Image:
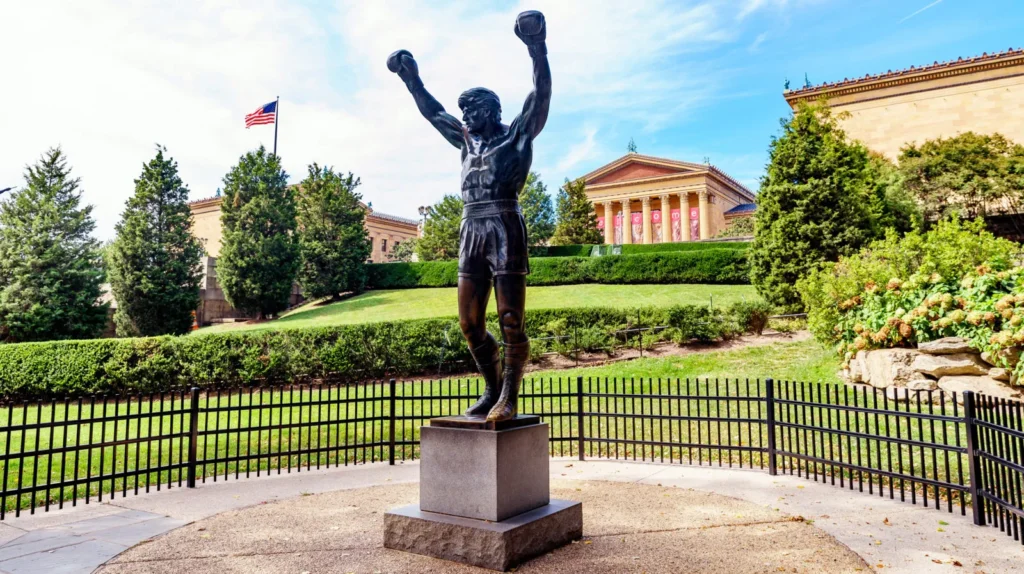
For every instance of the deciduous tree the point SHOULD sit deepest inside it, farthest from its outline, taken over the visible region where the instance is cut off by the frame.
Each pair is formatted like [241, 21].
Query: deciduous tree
[970, 175]
[537, 210]
[440, 238]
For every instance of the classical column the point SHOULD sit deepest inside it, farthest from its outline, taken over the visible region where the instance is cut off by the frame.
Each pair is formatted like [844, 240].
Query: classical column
[609, 223]
[648, 232]
[627, 223]
[666, 219]
[705, 217]
[684, 215]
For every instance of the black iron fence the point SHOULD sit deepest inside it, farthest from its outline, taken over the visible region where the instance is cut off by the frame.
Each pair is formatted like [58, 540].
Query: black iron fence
[942, 450]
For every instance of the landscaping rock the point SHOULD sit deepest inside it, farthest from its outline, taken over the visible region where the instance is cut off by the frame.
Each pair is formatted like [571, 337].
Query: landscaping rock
[949, 365]
[999, 374]
[922, 384]
[945, 346]
[957, 384]
[855, 372]
[889, 367]
[1011, 356]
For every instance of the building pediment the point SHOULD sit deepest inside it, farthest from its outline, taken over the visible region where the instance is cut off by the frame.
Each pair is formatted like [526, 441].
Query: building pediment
[634, 166]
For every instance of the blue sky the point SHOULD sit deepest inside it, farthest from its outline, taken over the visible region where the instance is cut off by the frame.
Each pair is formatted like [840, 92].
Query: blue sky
[686, 79]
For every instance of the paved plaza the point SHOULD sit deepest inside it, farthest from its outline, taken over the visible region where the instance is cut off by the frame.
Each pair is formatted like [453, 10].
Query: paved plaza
[637, 518]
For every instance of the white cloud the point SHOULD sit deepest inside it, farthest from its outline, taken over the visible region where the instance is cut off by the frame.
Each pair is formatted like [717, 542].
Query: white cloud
[579, 152]
[108, 79]
[756, 44]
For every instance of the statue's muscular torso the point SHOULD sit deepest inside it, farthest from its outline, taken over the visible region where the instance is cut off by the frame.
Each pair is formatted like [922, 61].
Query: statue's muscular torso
[496, 169]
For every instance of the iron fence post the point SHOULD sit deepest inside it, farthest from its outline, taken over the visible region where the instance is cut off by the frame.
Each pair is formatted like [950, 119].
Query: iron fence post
[769, 396]
[974, 461]
[640, 330]
[391, 417]
[579, 415]
[193, 436]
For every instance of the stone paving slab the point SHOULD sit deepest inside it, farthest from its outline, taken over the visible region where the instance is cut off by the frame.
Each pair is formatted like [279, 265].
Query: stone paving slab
[341, 532]
[82, 545]
[910, 542]
[79, 558]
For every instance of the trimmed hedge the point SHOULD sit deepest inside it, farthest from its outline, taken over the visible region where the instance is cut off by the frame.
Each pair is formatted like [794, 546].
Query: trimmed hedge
[587, 250]
[61, 369]
[707, 266]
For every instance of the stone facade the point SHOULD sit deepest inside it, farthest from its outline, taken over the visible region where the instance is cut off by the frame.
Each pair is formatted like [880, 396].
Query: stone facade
[386, 232]
[887, 111]
[645, 199]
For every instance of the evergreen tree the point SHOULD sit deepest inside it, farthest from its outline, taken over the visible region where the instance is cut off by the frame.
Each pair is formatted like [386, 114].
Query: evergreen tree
[155, 265]
[577, 222]
[333, 241]
[50, 266]
[814, 204]
[537, 210]
[259, 254]
[440, 238]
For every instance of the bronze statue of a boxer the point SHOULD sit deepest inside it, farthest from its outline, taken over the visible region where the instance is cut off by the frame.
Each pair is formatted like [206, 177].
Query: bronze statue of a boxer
[492, 243]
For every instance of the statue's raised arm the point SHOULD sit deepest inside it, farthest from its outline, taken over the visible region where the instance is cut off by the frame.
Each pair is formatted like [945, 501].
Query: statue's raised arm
[532, 30]
[403, 64]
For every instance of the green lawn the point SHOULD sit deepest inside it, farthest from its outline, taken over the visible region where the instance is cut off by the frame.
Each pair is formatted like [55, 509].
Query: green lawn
[396, 304]
[349, 424]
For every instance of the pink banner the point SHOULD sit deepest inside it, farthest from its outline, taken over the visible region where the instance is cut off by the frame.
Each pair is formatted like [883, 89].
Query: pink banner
[694, 223]
[656, 216]
[637, 218]
[600, 222]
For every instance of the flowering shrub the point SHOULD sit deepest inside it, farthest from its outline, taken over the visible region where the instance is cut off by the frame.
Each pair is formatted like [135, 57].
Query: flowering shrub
[986, 307]
[945, 254]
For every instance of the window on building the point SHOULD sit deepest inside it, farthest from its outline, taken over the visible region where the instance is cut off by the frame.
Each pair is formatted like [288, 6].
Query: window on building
[384, 245]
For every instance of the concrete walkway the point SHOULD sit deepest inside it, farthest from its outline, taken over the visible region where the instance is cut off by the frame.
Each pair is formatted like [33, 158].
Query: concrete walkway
[888, 535]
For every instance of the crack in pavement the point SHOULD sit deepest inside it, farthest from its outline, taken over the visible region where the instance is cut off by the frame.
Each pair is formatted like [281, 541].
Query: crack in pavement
[237, 554]
[710, 526]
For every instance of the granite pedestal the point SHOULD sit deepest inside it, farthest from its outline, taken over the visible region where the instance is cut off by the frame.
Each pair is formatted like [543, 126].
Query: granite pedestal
[484, 495]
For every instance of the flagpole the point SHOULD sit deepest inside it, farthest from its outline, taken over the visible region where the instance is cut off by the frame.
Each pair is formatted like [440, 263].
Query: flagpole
[277, 112]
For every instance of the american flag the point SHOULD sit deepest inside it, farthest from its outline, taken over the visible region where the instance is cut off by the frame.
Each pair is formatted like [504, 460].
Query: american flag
[262, 116]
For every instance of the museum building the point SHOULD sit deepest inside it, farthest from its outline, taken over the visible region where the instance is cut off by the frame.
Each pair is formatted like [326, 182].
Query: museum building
[386, 233]
[664, 200]
[983, 94]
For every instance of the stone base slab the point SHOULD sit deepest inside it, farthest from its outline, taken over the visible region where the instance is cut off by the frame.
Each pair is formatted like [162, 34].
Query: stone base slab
[494, 545]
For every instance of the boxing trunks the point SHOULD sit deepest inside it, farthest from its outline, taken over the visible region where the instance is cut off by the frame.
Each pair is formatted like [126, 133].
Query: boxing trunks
[492, 239]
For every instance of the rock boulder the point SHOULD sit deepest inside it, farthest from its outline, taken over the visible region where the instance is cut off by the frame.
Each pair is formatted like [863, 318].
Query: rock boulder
[889, 367]
[999, 374]
[949, 365]
[957, 384]
[945, 346]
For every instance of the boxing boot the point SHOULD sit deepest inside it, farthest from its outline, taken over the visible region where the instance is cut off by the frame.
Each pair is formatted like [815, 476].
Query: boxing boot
[507, 406]
[487, 362]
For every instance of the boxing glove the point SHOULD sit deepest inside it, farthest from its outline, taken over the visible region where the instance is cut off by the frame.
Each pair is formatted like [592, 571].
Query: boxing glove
[532, 30]
[403, 64]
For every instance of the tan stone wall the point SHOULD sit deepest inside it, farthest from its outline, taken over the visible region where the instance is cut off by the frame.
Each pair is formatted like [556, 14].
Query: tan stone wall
[384, 234]
[884, 125]
[206, 226]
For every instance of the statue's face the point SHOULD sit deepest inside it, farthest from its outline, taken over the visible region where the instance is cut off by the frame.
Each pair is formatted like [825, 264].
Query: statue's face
[477, 118]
